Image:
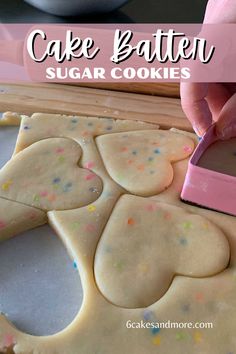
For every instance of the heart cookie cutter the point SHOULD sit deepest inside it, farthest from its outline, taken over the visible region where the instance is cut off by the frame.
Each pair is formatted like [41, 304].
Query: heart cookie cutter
[208, 188]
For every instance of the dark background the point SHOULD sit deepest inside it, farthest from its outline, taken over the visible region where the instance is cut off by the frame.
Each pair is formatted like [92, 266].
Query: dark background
[156, 11]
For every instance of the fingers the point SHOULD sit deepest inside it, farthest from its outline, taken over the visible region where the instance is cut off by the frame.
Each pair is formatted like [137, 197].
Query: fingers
[226, 124]
[218, 95]
[195, 106]
[220, 11]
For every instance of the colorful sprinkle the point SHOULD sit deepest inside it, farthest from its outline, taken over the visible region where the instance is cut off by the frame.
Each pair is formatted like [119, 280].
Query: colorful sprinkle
[134, 152]
[89, 164]
[157, 151]
[183, 241]
[155, 330]
[197, 337]
[180, 336]
[130, 221]
[148, 315]
[187, 225]
[43, 194]
[2, 224]
[26, 127]
[187, 149]
[185, 307]
[151, 207]
[90, 124]
[156, 340]
[67, 187]
[6, 185]
[56, 180]
[91, 208]
[141, 167]
[75, 265]
[60, 150]
[74, 120]
[89, 176]
[150, 159]
[61, 159]
[36, 198]
[90, 228]
[199, 297]
[109, 128]
[124, 149]
[152, 172]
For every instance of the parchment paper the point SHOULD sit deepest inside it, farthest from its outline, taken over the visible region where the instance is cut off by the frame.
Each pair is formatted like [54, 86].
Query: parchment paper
[40, 290]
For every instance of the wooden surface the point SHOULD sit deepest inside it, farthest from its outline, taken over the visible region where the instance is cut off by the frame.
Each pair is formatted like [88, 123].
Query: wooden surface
[164, 89]
[65, 99]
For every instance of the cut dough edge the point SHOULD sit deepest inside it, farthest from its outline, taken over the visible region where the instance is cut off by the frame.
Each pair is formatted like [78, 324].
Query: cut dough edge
[22, 218]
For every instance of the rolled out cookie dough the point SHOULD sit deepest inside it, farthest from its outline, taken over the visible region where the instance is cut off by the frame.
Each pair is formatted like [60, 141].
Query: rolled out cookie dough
[100, 326]
[220, 157]
[82, 129]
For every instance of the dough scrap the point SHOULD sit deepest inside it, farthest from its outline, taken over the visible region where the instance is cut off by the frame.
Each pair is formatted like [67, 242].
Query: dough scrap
[141, 161]
[11, 118]
[150, 242]
[19, 218]
[46, 176]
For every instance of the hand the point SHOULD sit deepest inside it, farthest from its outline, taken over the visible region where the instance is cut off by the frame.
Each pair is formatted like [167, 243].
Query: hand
[205, 103]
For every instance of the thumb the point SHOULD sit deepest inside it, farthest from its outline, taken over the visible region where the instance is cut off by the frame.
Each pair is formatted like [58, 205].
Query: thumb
[195, 106]
[226, 123]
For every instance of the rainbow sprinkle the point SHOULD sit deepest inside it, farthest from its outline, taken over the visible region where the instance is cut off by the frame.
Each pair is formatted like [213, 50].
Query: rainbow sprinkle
[91, 208]
[6, 185]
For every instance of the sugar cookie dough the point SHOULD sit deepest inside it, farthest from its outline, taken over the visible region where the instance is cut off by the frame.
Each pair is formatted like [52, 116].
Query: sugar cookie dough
[141, 161]
[10, 118]
[151, 242]
[46, 176]
[16, 217]
[101, 325]
[220, 157]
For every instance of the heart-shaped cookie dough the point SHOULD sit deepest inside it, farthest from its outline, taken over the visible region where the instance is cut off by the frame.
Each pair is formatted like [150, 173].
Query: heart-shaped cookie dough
[146, 243]
[46, 175]
[141, 161]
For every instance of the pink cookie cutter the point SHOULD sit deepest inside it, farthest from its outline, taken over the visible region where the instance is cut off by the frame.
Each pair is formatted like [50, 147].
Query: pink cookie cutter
[209, 188]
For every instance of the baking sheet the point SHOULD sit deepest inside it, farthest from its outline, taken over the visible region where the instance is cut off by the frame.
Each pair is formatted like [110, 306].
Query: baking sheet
[40, 290]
